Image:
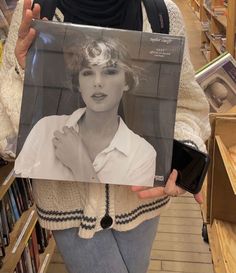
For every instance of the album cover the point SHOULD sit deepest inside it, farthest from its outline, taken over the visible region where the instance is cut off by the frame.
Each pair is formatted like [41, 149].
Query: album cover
[99, 105]
[218, 80]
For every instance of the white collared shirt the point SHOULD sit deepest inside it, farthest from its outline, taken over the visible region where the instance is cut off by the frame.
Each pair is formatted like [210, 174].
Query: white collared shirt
[128, 160]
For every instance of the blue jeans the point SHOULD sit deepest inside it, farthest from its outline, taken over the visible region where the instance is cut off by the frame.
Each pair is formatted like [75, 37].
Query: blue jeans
[109, 251]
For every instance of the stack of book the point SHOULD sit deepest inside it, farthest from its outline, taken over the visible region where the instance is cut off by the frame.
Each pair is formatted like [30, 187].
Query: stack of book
[30, 261]
[219, 10]
[17, 199]
[205, 25]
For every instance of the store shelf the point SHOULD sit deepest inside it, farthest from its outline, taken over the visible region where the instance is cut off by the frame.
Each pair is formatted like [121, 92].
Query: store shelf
[222, 19]
[45, 257]
[224, 24]
[6, 178]
[222, 238]
[217, 46]
[18, 239]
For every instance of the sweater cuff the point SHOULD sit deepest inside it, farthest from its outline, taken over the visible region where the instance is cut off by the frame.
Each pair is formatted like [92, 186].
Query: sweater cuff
[190, 143]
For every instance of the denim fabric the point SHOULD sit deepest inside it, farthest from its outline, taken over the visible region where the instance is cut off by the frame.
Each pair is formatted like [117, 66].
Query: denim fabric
[109, 251]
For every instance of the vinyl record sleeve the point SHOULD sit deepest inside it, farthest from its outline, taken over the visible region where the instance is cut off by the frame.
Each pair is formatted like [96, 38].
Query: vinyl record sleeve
[76, 77]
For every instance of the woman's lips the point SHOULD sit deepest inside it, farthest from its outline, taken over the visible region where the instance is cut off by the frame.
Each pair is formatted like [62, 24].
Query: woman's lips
[99, 96]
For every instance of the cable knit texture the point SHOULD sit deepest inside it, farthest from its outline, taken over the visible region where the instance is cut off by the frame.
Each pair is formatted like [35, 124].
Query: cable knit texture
[71, 204]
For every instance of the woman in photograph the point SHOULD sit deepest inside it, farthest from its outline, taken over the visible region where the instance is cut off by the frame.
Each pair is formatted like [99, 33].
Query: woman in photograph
[93, 144]
[102, 228]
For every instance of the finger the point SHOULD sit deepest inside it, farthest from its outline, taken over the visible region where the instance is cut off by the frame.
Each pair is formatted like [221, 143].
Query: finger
[198, 197]
[36, 11]
[25, 24]
[28, 40]
[26, 5]
[66, 130]
[152, 193]
[170, 187]
[55, 142]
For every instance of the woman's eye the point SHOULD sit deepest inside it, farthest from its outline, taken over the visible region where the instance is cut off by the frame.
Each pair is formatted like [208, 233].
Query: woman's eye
[86, 72]
[110, 71]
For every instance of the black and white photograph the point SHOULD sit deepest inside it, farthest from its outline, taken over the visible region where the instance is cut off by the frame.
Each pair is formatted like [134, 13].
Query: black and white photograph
[100, 104]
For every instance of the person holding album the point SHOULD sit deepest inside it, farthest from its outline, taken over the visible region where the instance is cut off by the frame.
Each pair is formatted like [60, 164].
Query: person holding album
[98, 227]
[90, 144]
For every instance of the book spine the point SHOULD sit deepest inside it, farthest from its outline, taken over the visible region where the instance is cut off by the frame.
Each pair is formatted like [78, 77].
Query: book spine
[16, 197]
[5, 227]
[35, 249]
[14, 205]
[27, 258]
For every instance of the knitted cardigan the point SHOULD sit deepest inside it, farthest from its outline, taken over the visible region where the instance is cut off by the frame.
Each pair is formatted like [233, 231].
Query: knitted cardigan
[62, 205]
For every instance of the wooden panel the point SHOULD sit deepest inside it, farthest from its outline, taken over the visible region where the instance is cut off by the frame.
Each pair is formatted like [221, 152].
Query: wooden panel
[226, 129]
[181, 206]
[181, 256]
[218, 123]
[191, 238]
[180, 246]
[176, 213]
[179, 229]
[231, 25]
[6, 178]
[223, 202]
[155, 265]
[45, 257]
[196, 222]
[228, 163]
[227, 237]
[187, 267]
[56, 268]
[222, 237]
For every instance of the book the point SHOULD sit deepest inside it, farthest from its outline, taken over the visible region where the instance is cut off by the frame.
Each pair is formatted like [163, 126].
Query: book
[35, 249]
[218, 80]
[14, 204]
[40, 238]
[129, 69]
[5, 227]
[27, 259]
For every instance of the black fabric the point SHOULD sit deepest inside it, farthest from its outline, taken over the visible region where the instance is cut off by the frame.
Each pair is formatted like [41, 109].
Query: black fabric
[48, 8]
[123, 14]
[158, 15]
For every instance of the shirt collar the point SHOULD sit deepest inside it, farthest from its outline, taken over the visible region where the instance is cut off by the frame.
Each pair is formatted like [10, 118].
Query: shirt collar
[121, 140]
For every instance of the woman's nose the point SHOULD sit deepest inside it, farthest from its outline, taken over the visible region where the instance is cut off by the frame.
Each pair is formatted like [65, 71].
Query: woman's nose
[98, 81]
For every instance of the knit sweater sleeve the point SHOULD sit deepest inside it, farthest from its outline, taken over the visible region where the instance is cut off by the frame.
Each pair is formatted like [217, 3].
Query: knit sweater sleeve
[11, 88]
[192, 121]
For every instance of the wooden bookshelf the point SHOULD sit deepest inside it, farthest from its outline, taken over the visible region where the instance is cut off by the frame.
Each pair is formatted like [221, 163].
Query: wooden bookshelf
[222, 238]
[196, 7]
[220, 193]
[18, 240]
[6, 178]
[46, 256]
[224, 24]
[22, 230]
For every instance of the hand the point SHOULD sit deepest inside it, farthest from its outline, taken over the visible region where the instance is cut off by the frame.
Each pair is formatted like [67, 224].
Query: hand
[71, 152]
[26, 34]
[170, 189]
[68, 146]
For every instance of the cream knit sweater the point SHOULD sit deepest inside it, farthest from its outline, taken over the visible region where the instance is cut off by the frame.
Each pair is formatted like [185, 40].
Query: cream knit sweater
[71, 204]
